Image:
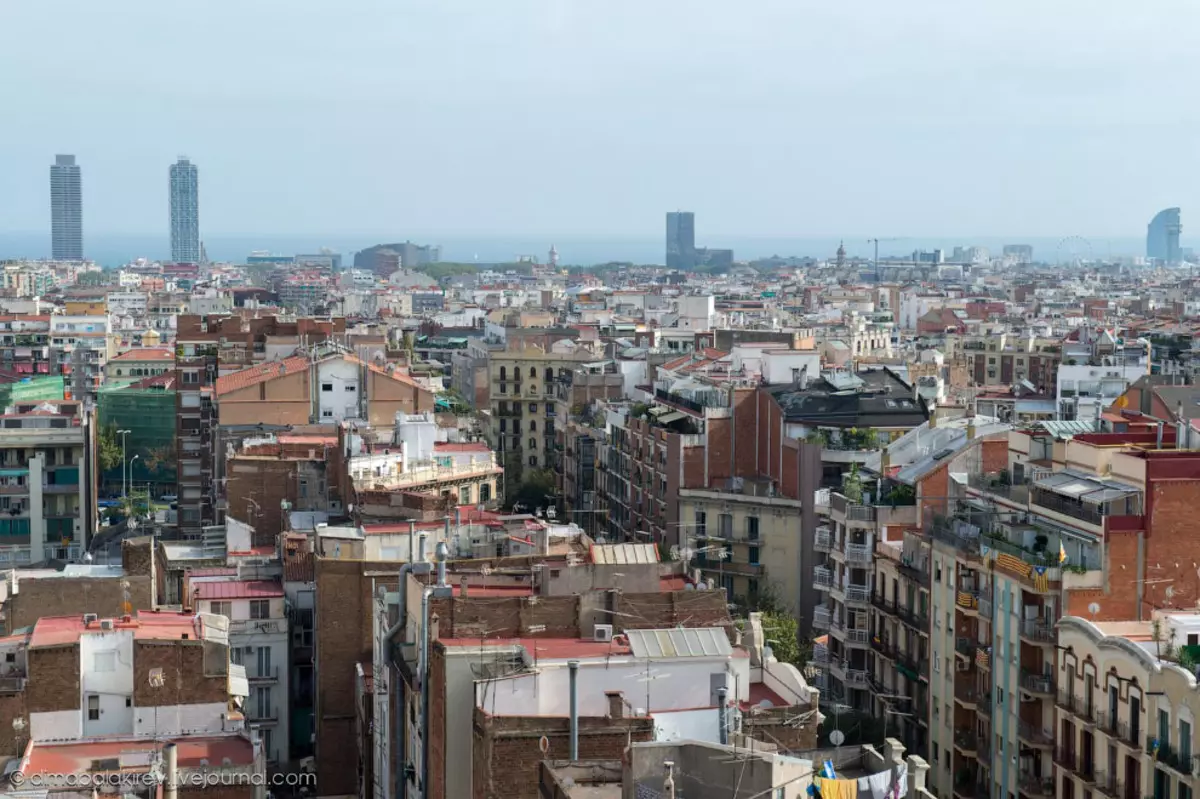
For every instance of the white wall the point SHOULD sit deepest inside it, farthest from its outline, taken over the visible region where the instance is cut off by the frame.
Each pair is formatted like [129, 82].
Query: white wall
[112, 687]
[342, 401]
[673, 685]
[180, 719]
[778, 365]
[56, 725]
[688, 725]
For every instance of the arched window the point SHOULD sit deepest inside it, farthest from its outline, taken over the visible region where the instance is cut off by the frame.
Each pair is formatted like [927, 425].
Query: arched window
[503, 373]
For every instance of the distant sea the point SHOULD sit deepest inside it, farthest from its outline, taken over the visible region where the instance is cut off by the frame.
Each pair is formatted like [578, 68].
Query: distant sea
[116, 250]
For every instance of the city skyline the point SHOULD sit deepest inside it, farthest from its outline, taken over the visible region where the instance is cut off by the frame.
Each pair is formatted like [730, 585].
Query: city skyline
[66, 209]
[598, 145]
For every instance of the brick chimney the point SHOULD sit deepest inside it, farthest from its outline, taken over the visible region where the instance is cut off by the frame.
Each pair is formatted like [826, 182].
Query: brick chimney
[616, 704]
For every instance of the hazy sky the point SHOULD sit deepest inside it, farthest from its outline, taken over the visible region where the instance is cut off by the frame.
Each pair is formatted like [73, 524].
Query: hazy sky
[766, 117]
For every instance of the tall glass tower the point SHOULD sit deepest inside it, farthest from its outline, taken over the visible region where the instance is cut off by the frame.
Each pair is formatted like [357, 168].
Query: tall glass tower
[66, 210]
[681, 240]
[1162, 237]
[185, 213]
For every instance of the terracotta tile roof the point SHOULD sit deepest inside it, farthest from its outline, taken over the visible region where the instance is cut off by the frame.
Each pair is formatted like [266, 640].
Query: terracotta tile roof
[260, 374]
[146, 354]
[165, 381]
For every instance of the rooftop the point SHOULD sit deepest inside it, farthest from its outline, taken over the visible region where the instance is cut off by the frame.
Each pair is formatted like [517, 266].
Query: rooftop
[131, 754]
[237, 589]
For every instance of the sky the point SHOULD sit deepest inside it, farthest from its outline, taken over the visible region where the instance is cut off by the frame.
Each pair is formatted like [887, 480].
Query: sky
[565, 117]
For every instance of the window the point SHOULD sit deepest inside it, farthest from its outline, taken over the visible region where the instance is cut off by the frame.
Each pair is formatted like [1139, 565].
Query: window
[533, 426]
[725, 525]
[533, 460]
[503, 377]
[221, 609]
[351, 387]
[503, 388]
[533, 407]
[503, 425]
[701, 523]
[937, 571]
[327, 386]
[262, 703]
[265, 736]
[93, 708]
[104, 661]
[327, 413]
[533, 443]
[264, 661]
[753, 556]
[260, 608]
[485, 492]
[464, 495]
[752, 528]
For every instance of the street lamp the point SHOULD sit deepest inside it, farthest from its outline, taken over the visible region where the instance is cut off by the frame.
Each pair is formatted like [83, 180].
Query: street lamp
[124, 464]
[131, 460]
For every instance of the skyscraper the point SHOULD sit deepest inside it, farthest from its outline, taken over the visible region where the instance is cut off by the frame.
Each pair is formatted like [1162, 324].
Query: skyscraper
[66, 210]
[185, 213]
[1162, 237]
[681, 240]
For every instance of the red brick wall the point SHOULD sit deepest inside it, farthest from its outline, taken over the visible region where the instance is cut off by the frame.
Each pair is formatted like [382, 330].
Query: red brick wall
[745, 432]
[184, 680]
[994, 454]
[720, 451]
[12, 706]
[1118, 600]
[933, 491]
[1172, 548]
[53, 679]
[506, 752]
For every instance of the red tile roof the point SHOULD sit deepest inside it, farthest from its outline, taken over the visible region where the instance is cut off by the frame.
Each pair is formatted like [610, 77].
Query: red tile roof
[238, 589]
[147, 625]
[260, 374]
[555, 648]
[77, 758]
[469, 446]
[146, 354]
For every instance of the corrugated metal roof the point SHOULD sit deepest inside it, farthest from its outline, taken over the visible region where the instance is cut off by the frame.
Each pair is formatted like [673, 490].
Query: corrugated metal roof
[680, 642]
[238, 684]
[238, 589]
[615, 554]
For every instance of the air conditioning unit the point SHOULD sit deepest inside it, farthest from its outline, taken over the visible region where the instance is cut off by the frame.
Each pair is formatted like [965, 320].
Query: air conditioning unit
[90, 618]
[106, 624]
[961, 665]
[602, 633]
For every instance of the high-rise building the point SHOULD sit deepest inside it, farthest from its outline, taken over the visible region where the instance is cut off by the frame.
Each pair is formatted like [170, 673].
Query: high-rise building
[66, 210]
[185, 213]
[1162, 237]
[681, 240]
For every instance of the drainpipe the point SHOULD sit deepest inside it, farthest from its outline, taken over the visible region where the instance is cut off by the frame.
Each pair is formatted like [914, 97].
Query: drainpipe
[440, 590]
[446, 537]
[573, 665]
[412, 539]
[171, 756]
[419, 567]
[721, 719]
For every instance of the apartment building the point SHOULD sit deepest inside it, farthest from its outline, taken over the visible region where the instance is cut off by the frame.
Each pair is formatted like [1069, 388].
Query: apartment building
[732, 535]
[575, 411]
[74, 678]
[1126, 706]
[83, 344]
[47, 481]
[25, 346]
[523, 401]
[258, 642]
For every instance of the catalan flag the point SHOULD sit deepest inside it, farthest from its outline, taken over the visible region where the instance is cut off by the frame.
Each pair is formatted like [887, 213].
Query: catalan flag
[1062, 553]
[1041, 582]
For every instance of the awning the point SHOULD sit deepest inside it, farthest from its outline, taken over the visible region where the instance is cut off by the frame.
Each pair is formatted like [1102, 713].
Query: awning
[238, 684]
[670, 417]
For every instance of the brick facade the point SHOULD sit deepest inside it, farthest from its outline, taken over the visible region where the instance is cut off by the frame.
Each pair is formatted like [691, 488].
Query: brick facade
[54, 679]
[506, 750]
[12, 741]
[184, 679]
[75, 596]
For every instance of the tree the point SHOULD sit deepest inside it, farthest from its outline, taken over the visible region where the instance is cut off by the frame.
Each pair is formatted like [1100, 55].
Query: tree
[161, 459]
[852, 485]
[110, 448]
[537, 490]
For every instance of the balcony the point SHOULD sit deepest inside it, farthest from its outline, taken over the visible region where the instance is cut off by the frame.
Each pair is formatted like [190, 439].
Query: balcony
[820, 656]
[965, 741]
[1065, 758]
[983, 707]
[1108, 785]
[822, 578]
[859, 554]
[915, 569]
[264, 675]
[887, 606]
[916, 619]
[1037, 684]
[857, 595]
[262, 715]
[822, 618]
[855, 678]
[1078, 706]
[1115, 727]
[883, 646]
[965, 647]
[1033, 735]
[1033, 785]
[967, 602]
[966, 695]
[823, 541]
[1037, 633]
[1169, 756]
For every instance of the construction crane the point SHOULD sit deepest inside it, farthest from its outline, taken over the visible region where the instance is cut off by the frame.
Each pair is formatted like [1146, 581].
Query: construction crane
[875, 263]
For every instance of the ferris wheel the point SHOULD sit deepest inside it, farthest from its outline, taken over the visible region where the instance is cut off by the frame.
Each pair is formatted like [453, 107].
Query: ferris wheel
[1073, 251]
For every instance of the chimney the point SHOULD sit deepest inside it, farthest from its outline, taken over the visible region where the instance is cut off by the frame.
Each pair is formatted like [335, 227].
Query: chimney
[616, 704]
[933, 420]
[971, 428]
[170, 767]
[722, 723]
[573, 666]
[463, 590]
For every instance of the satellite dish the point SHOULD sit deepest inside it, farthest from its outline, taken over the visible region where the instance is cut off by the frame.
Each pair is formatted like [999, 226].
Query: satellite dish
[674, 552]
[1094, 608]
[1170, 592]
[837, 737]
[18, 724]
[156, 678]
[767, 704]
